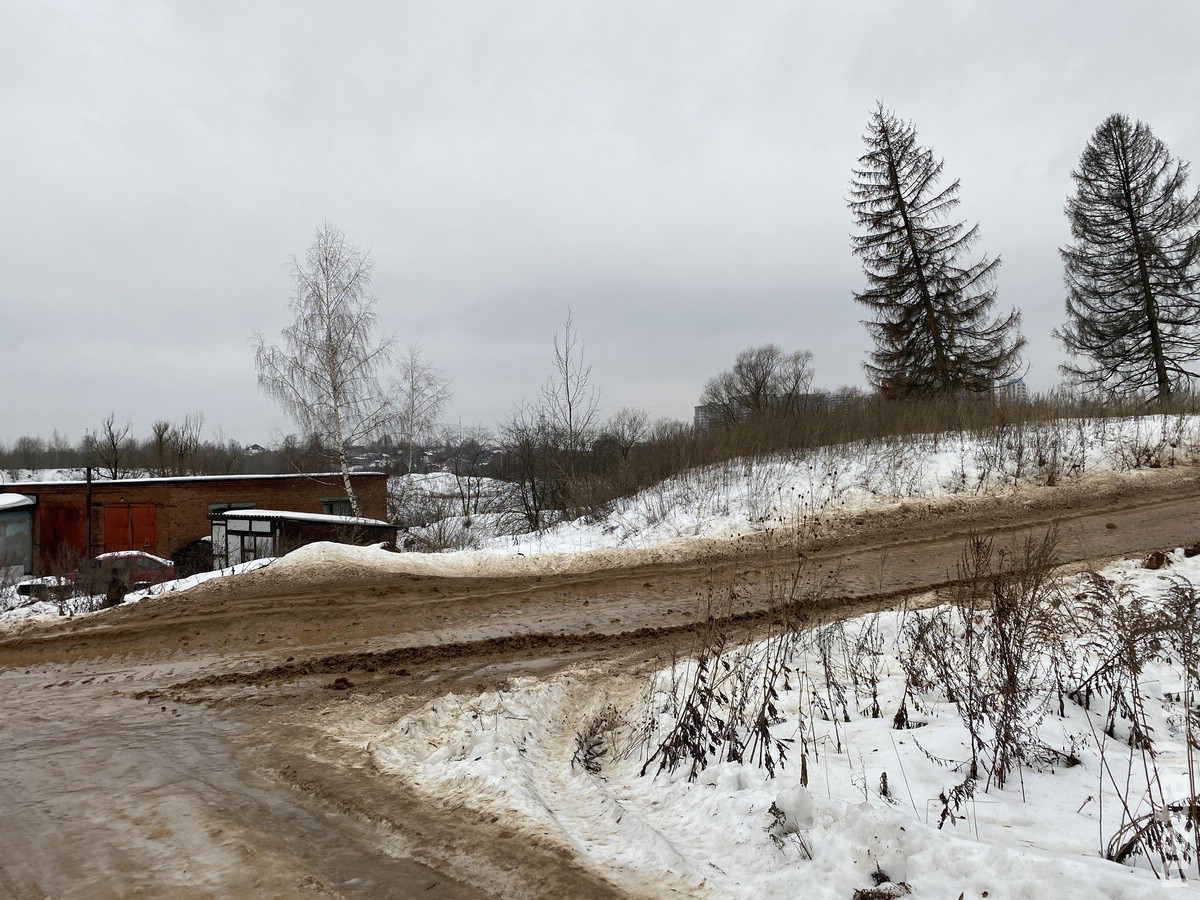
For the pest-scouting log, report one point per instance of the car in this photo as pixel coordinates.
(131, 570)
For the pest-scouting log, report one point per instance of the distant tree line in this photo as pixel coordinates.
(112, 451)
(174, 449)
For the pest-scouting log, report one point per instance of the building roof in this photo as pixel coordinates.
(15, 501)
(292, 516)
(197, 478)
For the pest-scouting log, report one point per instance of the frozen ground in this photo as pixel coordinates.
(857, 801)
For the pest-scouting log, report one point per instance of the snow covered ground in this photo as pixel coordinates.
(857, 801)
(11, 476)
(799, 491)
(795, 493)
(566, 753)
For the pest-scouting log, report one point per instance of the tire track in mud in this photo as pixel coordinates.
(399, 660)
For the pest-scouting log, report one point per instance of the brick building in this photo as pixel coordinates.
(162, 515)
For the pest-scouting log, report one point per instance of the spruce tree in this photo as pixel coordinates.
(933, 328)
(1132, 269)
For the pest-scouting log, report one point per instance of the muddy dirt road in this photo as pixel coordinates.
(185, 746)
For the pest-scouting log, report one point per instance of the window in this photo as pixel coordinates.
(336, 506)
(254, 547)
(237, 540)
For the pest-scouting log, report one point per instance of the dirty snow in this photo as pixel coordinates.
(739, 832)
(795, 493)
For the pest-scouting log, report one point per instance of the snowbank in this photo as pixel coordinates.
(798, 495)
(565, 755)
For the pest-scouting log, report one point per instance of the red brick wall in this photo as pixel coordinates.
(182, 504)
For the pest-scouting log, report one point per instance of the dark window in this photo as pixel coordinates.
(336, 506)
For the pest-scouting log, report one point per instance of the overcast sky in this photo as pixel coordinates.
(675, 173)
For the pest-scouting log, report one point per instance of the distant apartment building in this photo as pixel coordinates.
(1012, 391)
(708, 415)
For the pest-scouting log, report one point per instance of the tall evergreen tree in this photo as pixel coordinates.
(1133, 268)
(933, 328)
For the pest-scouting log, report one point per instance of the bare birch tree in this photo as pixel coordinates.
(423, 393)
(327, 371)
(568, 397)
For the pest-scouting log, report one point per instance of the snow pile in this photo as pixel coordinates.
(858, 803)
(334, 560)
(796, 494)
(182, 584)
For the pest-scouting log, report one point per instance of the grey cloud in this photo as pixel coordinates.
(675, 172)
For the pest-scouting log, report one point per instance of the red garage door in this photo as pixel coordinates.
(63, 531)
(130, 526)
